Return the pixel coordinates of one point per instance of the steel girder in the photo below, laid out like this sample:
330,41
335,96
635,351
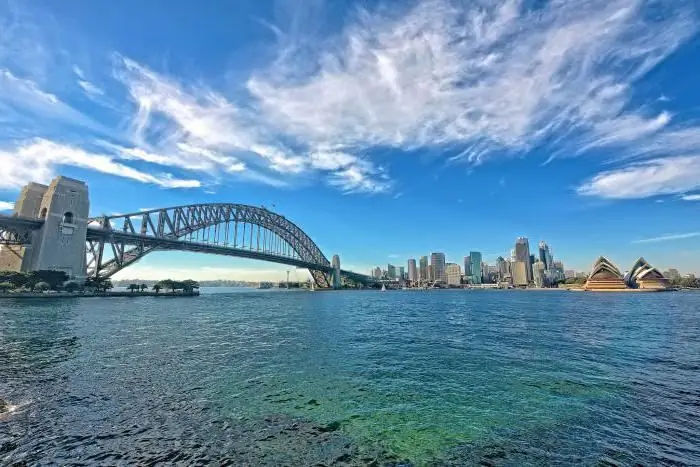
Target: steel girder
129,237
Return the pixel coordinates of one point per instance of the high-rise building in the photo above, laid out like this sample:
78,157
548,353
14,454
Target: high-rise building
538,276
467,267
437,262
475,273
545,255
522,254
412,270
519,274
501,268
402,273
454,274
423,269
430,275
377,272
391,271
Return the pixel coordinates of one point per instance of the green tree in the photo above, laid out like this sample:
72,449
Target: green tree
41,287
71,286
144,287
5,286
106,285
189,285
168,284
17,279
157,287
133,287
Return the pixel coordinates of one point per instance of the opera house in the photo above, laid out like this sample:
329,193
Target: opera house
606,277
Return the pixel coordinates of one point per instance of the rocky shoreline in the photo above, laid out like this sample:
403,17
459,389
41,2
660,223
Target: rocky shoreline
40,295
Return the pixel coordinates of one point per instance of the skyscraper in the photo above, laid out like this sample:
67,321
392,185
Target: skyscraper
545,255
538,273
467,267
475,274
453,274
377,272
412,271
402,273
391,271
501,268
522,254
423,269
437,262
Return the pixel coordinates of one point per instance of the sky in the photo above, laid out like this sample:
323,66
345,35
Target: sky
385,129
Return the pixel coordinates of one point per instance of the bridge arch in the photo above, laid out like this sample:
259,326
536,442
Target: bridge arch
118,241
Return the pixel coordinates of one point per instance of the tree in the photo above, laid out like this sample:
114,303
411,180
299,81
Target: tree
157,287
106,285
133,287
5,286
168,284
54,279
41,287
144,287
71,286
189,285
17,279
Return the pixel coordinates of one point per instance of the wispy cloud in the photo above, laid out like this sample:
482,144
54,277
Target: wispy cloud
40,158
695,197
6,205
646,179
667,238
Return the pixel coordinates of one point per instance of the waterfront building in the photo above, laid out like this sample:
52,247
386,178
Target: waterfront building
538,274
454,274
467,266
391,272
423,269
519,274
412,270
377,272
644,276
522,254
402,273
437,262
430,275
605,277
475,273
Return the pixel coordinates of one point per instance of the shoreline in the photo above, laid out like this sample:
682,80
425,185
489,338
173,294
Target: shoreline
40,295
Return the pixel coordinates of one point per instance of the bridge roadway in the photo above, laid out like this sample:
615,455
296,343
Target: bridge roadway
22,224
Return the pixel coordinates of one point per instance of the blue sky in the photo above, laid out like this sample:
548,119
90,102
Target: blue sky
386,130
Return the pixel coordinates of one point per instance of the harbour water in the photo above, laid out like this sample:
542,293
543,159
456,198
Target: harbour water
353,378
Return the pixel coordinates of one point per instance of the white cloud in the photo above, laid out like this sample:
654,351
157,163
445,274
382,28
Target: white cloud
143,271
666,238
485,77
91,89
7,205
695,197
40,158
645,179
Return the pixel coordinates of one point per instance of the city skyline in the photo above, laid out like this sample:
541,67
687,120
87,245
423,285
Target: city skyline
375,126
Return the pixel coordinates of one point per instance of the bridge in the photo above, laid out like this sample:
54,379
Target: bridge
112,243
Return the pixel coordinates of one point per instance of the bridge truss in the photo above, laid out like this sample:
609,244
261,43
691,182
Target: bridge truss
115,242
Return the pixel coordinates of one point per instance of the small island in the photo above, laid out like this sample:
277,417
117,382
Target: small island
56,284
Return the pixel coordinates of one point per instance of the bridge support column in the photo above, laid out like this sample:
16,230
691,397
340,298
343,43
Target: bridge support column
60,243
336,283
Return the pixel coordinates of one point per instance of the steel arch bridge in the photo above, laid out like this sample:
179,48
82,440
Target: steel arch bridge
118,241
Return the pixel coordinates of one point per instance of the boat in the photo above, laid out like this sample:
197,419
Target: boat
383,288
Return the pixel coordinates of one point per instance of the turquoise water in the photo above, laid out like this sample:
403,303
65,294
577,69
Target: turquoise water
407,377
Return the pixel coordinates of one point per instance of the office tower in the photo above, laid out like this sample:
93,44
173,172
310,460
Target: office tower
545,255
467,267
430,275
454,275
501,268
522,254
519,274
412,271
538,270
402,274
437,263
423,269
377,272
475,274
391,271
